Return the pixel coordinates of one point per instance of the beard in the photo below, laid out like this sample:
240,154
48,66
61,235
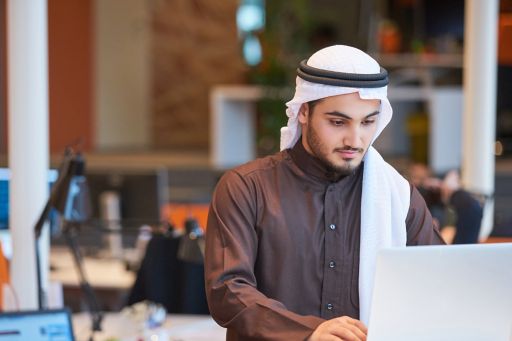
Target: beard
321,152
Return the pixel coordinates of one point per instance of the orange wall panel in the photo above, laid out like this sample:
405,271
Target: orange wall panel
3,76
70,59
505,39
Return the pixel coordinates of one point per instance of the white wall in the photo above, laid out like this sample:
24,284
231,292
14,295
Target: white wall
122,74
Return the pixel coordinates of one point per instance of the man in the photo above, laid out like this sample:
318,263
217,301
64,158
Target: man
292,238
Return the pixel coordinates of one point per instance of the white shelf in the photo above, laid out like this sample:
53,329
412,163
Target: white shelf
233,123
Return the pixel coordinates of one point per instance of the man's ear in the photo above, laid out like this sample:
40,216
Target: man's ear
303,113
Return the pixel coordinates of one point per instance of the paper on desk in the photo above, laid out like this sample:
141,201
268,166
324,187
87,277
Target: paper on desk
206,330
176,328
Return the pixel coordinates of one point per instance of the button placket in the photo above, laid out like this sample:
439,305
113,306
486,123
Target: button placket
329,292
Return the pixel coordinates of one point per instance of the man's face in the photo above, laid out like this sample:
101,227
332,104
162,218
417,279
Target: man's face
339,130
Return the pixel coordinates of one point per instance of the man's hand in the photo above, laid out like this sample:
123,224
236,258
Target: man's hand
340,329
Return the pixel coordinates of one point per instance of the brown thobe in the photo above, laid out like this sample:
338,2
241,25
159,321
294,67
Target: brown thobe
282,246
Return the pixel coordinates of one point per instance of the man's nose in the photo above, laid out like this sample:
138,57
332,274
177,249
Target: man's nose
352,137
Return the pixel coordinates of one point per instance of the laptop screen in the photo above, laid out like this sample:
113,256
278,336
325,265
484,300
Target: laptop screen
42,325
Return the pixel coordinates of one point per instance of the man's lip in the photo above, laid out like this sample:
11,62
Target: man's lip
347,154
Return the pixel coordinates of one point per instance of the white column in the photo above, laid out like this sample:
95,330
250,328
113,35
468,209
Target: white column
479,120
28,138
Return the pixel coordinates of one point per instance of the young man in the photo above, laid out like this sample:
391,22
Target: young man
292,238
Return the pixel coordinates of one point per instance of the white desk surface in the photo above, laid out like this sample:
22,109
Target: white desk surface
119,327
100,272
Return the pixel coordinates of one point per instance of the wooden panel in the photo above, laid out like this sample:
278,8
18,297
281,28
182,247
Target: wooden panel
70,73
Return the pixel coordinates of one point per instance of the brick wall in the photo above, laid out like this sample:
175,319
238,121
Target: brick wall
194,46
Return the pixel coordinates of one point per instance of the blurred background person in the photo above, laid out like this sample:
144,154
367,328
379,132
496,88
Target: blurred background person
457,212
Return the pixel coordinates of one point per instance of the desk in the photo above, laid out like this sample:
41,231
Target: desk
117,326
108,277
100,272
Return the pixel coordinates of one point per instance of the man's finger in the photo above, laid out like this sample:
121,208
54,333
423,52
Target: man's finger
349,332
347,335
360,325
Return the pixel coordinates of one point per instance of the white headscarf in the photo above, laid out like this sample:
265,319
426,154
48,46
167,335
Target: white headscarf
385,196
339,58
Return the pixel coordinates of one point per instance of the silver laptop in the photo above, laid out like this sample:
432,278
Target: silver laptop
41,325
442,293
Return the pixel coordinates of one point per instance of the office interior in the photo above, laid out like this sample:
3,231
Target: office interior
159,98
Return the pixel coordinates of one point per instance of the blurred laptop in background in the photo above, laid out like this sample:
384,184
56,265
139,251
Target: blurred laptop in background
43,325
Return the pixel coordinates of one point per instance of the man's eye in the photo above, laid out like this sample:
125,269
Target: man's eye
368,122
337,122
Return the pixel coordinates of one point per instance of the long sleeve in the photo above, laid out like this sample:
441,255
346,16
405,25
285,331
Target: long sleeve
421,229
231,285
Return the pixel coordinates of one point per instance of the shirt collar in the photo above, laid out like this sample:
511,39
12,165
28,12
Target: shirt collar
313,166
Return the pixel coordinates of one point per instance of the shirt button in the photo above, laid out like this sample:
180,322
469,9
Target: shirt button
332,227
329,306
332,264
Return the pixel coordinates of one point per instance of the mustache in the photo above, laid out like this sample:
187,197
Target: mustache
349,149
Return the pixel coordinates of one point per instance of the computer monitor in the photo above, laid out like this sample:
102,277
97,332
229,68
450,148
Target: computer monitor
142,194
41,325
5,239
5,176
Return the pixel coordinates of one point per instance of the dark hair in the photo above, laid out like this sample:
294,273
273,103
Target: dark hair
312,104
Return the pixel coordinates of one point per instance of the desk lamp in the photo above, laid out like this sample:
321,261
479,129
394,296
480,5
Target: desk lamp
70,197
